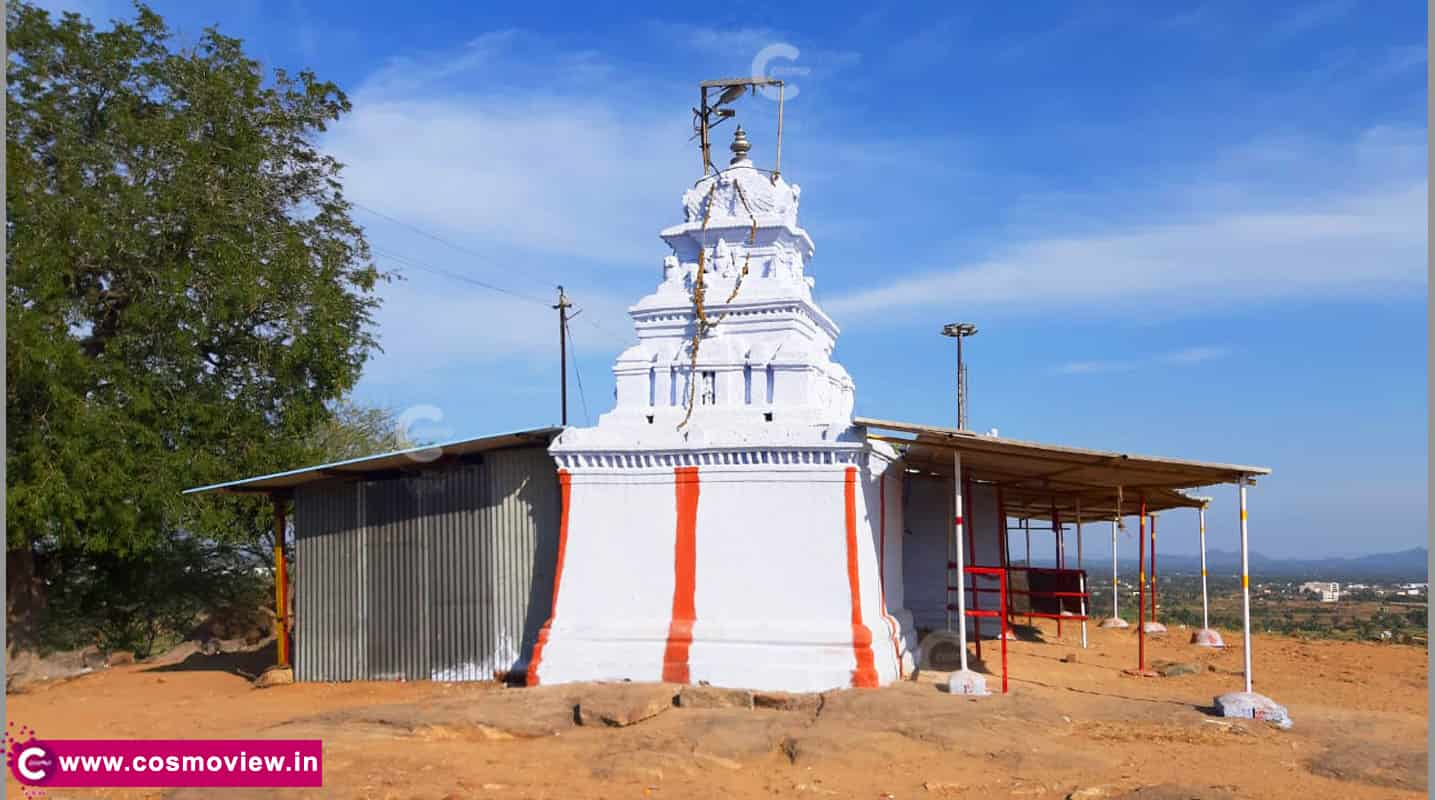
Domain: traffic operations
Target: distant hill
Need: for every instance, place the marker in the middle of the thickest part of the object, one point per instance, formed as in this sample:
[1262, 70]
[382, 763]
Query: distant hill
[1407, 565]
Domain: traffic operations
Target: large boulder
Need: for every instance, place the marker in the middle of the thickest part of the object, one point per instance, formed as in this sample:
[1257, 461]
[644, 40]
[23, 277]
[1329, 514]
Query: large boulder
[622, 704]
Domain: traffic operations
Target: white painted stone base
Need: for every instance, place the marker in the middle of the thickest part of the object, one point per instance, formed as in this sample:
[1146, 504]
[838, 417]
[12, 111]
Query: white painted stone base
[1207, 637]
[1154, 629]
[966, 682]
[1250, 705]
[1115, 622]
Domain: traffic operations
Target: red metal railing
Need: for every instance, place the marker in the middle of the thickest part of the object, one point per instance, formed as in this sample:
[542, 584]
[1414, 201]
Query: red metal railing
[1080, 580]
[999, 613]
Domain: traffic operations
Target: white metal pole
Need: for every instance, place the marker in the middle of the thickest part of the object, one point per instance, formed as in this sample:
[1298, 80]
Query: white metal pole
[1083, 575]
[1115, 584]
[1205, 602]
[961, 558]
[1245, 584]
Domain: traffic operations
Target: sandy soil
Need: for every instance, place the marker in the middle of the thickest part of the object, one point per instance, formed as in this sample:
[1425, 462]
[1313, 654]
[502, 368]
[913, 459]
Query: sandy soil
[1359, 710]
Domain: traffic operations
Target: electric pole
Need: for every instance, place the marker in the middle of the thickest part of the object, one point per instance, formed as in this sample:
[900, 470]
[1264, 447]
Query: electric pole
[562, 307]
[960, 331]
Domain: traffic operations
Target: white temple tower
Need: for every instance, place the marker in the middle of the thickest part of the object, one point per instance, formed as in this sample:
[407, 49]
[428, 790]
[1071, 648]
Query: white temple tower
[741, 544]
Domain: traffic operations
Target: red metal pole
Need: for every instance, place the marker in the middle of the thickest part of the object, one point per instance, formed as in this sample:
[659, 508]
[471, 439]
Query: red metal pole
[1056, 543]
[1141, 583]
[1005, 553]
[1002, 576]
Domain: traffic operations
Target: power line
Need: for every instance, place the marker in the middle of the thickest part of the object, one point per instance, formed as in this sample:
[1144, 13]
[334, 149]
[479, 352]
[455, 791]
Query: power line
[458, 276]
[420, 231]
[451, 273]
[578, 372]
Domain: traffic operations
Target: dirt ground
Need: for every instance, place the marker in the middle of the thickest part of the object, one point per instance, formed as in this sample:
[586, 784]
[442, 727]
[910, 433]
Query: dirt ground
[1359, 710]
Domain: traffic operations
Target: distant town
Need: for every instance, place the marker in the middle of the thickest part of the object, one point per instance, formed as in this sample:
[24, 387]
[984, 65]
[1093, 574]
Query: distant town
[1364, 607]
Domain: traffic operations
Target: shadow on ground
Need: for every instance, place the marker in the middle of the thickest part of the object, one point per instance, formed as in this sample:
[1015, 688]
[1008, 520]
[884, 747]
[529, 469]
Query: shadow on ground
[244, 663]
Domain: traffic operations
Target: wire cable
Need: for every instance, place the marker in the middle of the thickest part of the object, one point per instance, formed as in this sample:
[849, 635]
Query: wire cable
[420, 231]
[458, 276]
[577, 372]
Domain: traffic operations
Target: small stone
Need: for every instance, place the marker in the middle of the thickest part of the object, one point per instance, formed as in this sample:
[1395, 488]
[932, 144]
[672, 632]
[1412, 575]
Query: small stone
[787, 701]
[1172, 669]
[1069, 658]
[274, 676]
[942, 787]
[623, 704]
[714, 697]
[1090, 793]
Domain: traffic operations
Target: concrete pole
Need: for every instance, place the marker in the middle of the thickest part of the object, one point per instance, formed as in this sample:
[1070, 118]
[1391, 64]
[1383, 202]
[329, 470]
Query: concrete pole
[1141, 591]
[1245, 584]
[1205, 602]
[961, 558]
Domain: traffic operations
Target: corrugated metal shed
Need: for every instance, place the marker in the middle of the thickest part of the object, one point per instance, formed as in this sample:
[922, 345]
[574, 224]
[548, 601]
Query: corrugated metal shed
[445, 574]
[434, 563]
[384, 465]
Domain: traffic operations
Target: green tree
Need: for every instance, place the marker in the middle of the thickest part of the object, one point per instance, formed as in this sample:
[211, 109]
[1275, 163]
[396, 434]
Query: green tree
[354, 431]
[188, 294]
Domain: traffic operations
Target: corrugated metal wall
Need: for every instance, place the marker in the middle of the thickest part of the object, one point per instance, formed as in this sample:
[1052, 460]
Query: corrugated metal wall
[442, 575]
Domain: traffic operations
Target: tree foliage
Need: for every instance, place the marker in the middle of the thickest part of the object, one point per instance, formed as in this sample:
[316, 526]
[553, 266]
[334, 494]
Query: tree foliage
[188, 301]
[187, 291]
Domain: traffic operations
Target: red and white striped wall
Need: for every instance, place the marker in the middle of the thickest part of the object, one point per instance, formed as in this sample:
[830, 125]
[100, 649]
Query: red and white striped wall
[735, 573]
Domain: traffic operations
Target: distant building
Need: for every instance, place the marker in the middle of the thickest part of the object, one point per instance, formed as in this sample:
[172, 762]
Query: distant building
[1328, 591]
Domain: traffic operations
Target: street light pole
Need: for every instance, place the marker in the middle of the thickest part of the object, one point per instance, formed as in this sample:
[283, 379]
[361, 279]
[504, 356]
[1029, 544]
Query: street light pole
[562, 309]
[960, 331]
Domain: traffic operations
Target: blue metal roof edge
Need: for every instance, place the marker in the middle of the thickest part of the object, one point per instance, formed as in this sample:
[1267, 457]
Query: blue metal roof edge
[551, 431]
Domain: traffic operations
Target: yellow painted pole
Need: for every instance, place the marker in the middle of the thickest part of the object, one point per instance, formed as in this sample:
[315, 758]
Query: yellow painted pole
[281, 585]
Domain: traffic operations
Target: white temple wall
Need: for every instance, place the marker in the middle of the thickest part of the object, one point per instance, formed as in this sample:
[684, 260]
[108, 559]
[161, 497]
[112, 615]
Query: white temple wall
[769, 586]
[616, 560]
[884, 502]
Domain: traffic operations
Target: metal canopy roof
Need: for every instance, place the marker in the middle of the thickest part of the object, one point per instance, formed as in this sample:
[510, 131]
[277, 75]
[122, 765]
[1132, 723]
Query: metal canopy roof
[383, 466]
[1035, 478]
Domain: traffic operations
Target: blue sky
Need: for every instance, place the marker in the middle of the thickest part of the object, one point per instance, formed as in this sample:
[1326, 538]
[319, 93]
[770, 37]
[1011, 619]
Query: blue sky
[1194, 231]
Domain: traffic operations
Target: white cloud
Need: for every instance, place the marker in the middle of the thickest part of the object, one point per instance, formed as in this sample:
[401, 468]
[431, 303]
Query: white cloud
[1195, 355]
[427, 325]
[1185, 357]
[546, 174]
[1254, 242]
[1310, 17]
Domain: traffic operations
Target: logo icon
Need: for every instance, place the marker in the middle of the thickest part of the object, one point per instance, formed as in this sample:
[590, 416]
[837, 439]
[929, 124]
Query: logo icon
[762, 67]
[30, 760]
